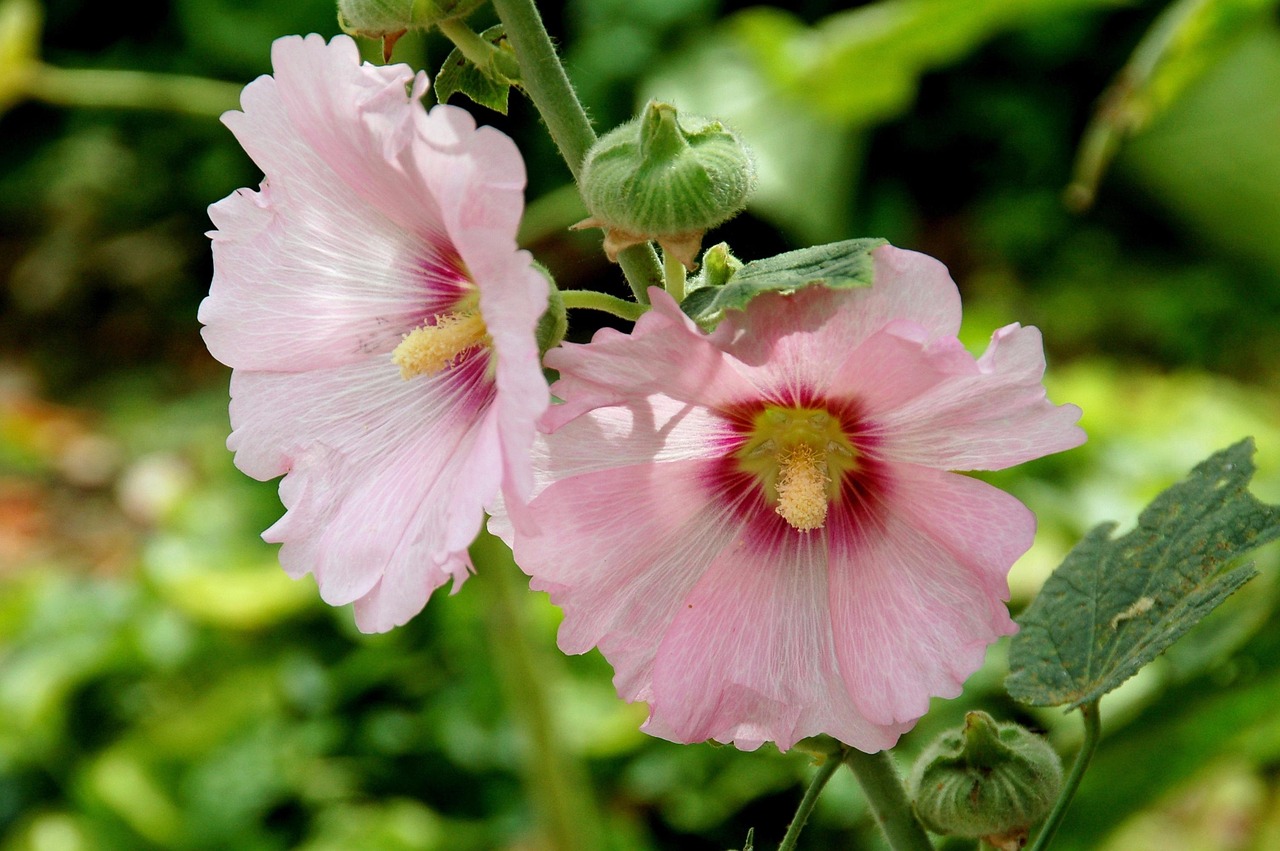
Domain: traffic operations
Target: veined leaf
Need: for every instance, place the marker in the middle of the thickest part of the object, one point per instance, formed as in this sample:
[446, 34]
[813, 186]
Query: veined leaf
[487, 86]
[1115, 604]
[839, 265]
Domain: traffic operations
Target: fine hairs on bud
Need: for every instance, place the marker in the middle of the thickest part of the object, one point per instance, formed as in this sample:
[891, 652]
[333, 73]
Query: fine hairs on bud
[668, 177]
[986, 780]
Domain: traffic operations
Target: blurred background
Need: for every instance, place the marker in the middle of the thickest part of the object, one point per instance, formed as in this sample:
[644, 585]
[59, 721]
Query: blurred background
[164, 686]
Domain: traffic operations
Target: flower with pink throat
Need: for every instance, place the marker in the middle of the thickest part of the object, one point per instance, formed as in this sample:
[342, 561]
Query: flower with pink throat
[757, 527]
[379, 321]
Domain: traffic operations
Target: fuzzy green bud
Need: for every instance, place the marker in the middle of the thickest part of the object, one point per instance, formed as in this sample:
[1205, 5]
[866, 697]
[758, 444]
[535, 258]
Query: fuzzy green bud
[390, 18]
[987, 779]
[554, 322]
[718, 266]
[666, 177]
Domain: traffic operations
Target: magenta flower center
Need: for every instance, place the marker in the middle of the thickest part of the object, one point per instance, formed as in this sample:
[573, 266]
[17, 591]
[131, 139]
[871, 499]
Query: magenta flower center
[800, 456]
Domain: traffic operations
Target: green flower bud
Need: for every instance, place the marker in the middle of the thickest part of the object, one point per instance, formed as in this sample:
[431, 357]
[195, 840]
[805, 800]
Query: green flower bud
[718, 266]
[986, 780]
[391, 18]
[665, 177]
[554, 321]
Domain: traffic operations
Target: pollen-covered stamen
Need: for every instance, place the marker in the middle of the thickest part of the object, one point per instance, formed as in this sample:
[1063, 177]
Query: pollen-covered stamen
[802, 487]
[432, 348]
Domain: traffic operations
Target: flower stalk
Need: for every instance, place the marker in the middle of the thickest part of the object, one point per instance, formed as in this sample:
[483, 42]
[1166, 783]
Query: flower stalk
[554, 781]
[543, 78]
[888, 799]
[593, 300]
[1092, 734]
[825, 772]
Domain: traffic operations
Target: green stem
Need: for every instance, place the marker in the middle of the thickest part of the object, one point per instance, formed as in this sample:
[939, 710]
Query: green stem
[1092, 734]
[555, 781]
[592, 300]
[880, 783]
[197, 96]
[483, 54]
[676, 275]
[543, 78]
[825, 772]
[1121, 111]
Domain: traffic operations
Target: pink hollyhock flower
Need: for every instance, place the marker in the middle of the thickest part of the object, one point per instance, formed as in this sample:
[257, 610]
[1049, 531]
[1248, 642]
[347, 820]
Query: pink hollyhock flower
[757, 527]
[380, 324]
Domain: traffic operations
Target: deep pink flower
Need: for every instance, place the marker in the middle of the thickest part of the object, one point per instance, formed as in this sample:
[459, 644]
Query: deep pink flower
[756, 527]
[380, 324]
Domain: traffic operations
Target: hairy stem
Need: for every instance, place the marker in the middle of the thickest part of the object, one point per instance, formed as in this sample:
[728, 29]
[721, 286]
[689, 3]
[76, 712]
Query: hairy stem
[592, 300]
[825, 772]
[1092, 734]
[880, 783]
[543, 78]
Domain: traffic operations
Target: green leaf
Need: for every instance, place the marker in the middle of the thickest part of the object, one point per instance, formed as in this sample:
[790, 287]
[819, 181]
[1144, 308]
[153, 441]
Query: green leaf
[486, 86]
[751, 840]
[864, 65]
[839, 265]
[1116, 604]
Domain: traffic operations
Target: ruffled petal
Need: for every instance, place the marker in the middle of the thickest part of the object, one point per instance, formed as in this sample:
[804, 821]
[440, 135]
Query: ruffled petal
[665, 353]
[750, 656]
[918, 584]
[382, 475]
[798, 339]
[327, 229]
[989, 417]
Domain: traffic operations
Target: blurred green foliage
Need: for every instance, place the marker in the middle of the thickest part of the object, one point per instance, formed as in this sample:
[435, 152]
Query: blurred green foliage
[162, 685]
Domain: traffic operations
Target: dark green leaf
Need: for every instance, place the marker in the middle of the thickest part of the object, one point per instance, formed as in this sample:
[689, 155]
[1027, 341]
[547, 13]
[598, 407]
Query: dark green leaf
[840, 265]
[1116, 604]
[487, 87]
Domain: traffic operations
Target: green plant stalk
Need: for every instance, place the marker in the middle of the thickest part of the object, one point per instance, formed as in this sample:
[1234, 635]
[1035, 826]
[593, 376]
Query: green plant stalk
[479, 52]
[543, 78]
[1092, 734]
[880, 783]
[554, 780]
[825, 773]
[675, 274]
[593, 300]
[178, 93]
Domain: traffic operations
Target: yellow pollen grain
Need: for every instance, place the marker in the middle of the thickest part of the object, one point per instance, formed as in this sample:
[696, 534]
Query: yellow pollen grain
[802, 488]
[432, 348]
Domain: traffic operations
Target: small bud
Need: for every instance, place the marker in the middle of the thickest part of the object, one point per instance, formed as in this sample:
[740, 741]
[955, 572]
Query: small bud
[987, 780]
[554, 321]
[718, 266]
[665, 177]
[391, 18]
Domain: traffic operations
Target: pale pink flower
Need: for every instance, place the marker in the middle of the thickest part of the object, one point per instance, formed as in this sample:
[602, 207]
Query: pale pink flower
[756, 527]
[379, 320]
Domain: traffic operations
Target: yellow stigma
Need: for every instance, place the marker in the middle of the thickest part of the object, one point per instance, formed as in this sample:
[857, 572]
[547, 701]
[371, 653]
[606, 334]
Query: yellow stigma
[802, 488]
[800, 457]
[432, 348]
